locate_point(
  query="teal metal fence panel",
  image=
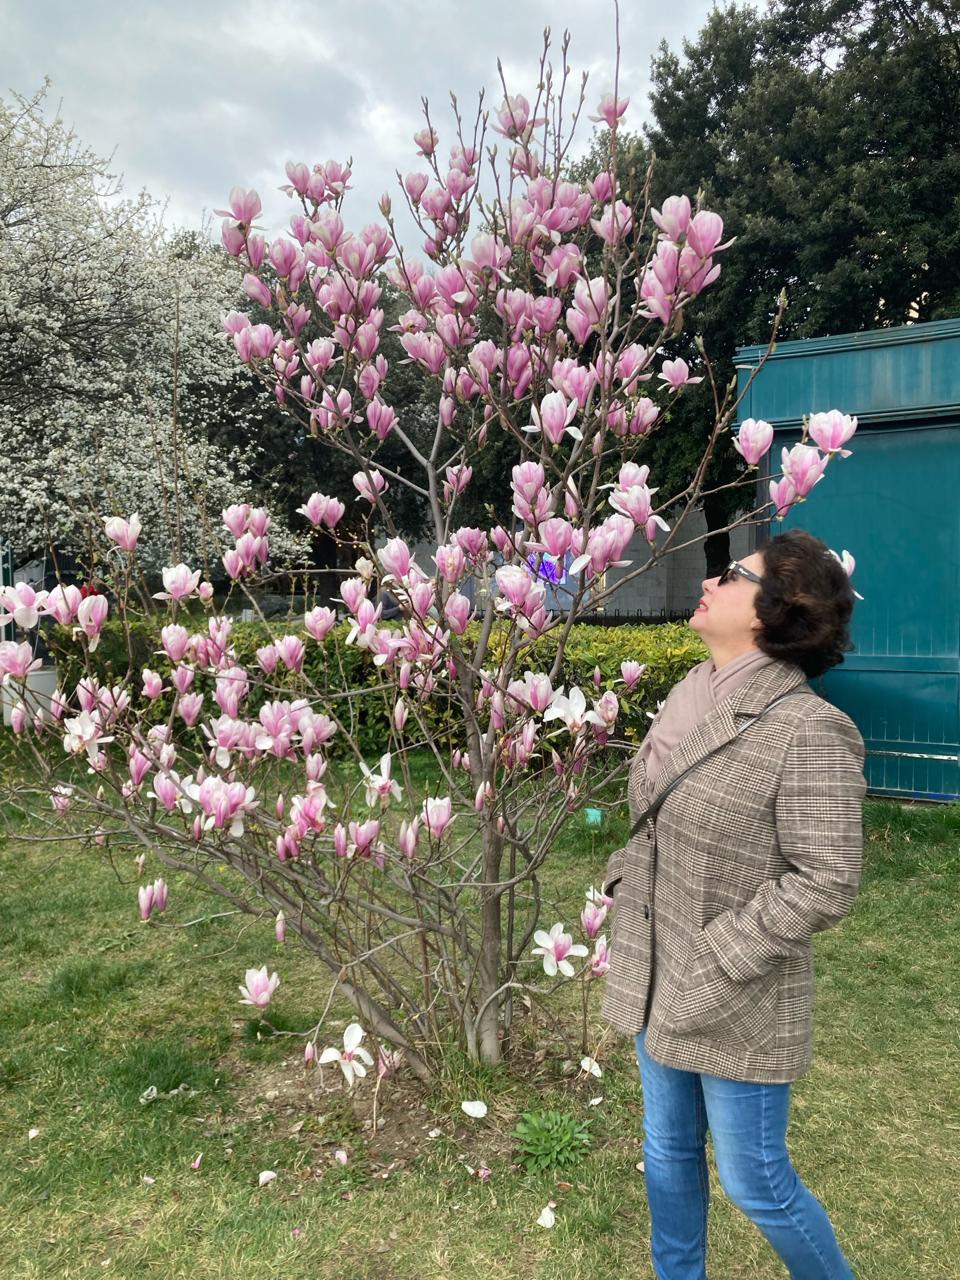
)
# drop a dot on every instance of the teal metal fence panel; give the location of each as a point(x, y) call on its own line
point(895, 506)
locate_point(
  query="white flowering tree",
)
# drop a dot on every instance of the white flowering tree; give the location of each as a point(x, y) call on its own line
point(423, 911)
point(112, 371)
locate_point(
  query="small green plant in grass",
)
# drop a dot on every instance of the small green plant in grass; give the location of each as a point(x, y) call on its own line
point(551, 1140)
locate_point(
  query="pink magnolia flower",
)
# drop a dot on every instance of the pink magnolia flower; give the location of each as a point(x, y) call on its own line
point(591, 297)
point(607, 707)
point(610, 109)
point(634, 502)
point(291, 651)
point(513, 117)
point(353, 1059)
point(457, 611)
point(160, 895)
point(554, 418)
point(189, 707)
point(320, 622)
point(427, 141)
point(674, 216)
point(244, 206)
point(848, 564)
point(600, 961)
point(631, 672)
point(592, 917)
point(256, 291)
point(395, 558)
point(457, 479)
point(753, 439)
point(408, 837)
point(516, 585)
point(235, 518)
point(614, 223)
point(594, 895)
point(280, 927)
point(437, 814)
point(123, 532)
point(91, 616)
point(175, 640)
point(803, 467)
point(363, 837)
point(152, 683)
point(415, 184)
point(145, 900)
point(832, 430)
point(704, 232)
point(179, 582)
point(182, 678)
point(451, 562)
point(61, 797)
point(62, 604)
point(555, 947)
point(258, 989)
point(782, 496)
point(321, 510)
point(23, 604)
point(233, 563)
point(369, 487)
point(676, 374)
point(138, 766)
point(16, 661)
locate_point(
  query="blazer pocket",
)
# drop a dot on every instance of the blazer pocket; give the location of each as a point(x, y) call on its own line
point(613, 874)
point(708, 1003)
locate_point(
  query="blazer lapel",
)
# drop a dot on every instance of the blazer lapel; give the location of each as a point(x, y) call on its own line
point(721, 725)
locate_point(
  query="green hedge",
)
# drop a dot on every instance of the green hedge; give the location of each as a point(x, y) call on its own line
point(669, 651)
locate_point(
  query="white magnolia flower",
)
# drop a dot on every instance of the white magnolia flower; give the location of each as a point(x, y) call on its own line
point(572, 710)
point(555, 946)
point(352, 1058)
point(380, 786)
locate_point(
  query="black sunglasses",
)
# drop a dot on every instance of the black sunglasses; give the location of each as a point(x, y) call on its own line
point(736, 570)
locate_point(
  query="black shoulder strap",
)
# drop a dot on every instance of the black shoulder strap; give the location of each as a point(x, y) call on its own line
point(652, 810)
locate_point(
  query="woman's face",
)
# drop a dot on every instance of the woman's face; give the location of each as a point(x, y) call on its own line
point(725, 616)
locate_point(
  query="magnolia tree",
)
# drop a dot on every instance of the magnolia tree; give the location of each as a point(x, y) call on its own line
point(424, 911)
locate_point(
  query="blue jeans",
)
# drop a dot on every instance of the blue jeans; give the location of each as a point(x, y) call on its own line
point(749, 1127)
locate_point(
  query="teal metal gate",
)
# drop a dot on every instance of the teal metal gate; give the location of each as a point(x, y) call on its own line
point(896, 506)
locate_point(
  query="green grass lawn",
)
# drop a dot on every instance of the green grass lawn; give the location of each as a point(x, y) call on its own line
point(95, 1009)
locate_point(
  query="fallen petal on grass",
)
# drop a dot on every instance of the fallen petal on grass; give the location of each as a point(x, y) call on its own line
point(547, 1217)
point(476, 1109)
point(266, 1176)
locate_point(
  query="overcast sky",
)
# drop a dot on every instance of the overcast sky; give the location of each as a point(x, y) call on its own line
point(196, 96)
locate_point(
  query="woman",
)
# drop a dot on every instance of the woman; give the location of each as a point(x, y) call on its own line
point(755, 846)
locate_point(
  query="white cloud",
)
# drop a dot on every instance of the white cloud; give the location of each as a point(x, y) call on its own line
point(197, 96)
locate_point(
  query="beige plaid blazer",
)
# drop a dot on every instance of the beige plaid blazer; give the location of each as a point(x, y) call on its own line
point(715, 902)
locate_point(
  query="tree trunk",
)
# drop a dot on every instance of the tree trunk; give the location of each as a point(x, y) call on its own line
point(488, 969)
point(716, 548)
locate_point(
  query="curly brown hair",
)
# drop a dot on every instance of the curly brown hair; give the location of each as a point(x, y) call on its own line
point(804, 603)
